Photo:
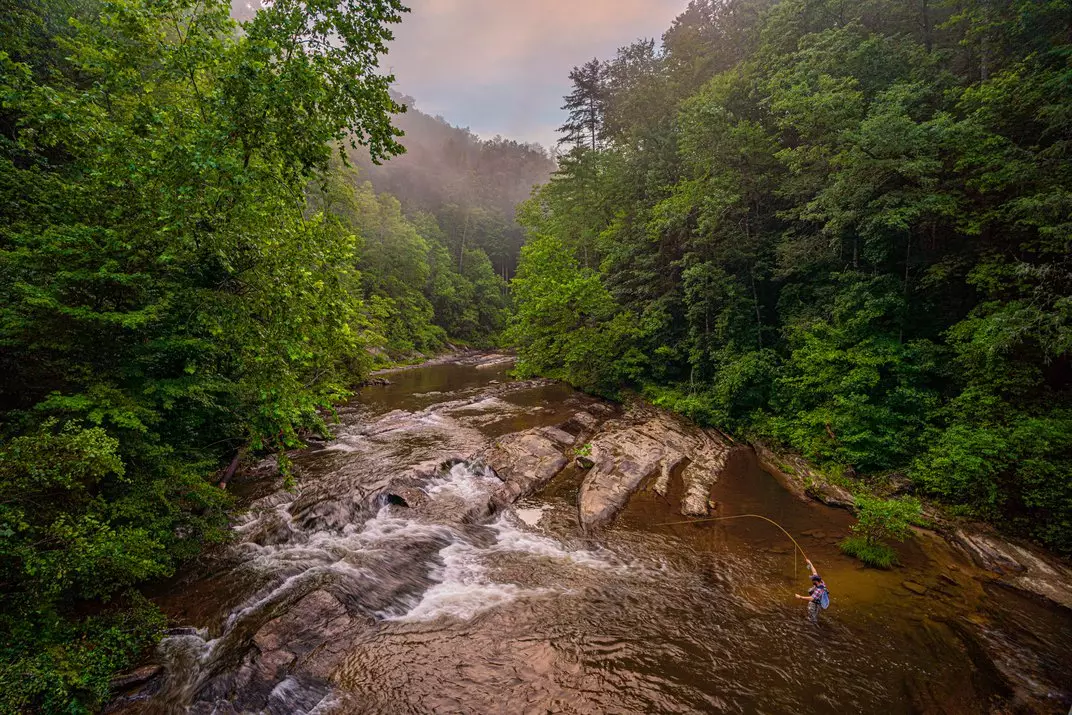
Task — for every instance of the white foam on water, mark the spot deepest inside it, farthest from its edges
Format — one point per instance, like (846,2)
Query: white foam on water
(463,590)
(290,694)
(342,447)
(488,403)
(465,482)
(511,538)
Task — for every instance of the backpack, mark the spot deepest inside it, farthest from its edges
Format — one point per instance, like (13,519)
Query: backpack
(824,598)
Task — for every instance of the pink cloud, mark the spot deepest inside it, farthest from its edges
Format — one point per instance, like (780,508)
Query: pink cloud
(521,50)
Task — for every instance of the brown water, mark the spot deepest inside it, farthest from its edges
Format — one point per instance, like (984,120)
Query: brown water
(452,609)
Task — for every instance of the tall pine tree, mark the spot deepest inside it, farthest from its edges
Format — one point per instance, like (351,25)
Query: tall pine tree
(585,104)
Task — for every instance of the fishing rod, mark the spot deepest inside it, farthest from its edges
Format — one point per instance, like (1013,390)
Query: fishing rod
(745,516)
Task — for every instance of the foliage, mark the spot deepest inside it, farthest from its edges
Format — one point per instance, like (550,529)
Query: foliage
(843,226)
(167,295)
(71,665)
(878,520)
(567,325)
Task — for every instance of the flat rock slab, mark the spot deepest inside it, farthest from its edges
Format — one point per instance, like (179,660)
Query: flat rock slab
(916,588)
(648,442)
(1018,565)
(525,461)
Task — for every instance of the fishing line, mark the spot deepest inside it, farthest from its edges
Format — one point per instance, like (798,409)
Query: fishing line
(744,516)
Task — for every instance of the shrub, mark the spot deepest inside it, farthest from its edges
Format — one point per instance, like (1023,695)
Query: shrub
(878,520)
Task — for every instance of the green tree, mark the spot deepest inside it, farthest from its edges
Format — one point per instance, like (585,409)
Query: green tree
(166,295)
(877,521)
(585,105)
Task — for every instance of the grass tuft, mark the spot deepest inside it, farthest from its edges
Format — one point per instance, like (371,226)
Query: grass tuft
(876,555)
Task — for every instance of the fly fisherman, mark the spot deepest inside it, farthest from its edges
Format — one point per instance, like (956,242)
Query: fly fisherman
(817,597)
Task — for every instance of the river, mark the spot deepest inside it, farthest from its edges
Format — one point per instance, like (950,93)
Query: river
(386,584)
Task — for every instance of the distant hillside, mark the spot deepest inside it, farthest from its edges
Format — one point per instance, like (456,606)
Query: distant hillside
(470,185)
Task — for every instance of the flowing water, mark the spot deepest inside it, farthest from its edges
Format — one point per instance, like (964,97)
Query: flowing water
(385,584)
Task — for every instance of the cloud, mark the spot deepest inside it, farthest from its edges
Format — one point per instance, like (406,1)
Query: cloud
(502,66)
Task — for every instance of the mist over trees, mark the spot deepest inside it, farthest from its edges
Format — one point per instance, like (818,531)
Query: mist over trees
(471,186)
(842,225)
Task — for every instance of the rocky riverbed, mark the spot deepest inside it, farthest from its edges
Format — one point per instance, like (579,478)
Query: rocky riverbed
(470,543)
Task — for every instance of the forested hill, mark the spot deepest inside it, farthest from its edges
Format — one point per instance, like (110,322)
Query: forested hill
(472,186)
(842,225)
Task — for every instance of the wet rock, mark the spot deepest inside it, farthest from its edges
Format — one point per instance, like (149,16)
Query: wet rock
(947,580)
(832,495)
(609,486)
(801,480)
(644,443)
(323,515)
(409,497)
(376,382)
(270,530)
(559,436)
(580,422)
(988,552)
(916,588)
(1019,566)
(310,624)
(493,360)
(135,678)
(666,471)
(181,631)
(525,461)
(585,463)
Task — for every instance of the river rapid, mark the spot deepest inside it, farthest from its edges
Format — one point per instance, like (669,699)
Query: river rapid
(391,581)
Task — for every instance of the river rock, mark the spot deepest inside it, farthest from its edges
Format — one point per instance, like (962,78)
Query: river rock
(832,495)
(916,588)
(801,479)
(311,624)
(137,677)
(410,497)
(585,462)
(525,461)
(644,443)
(559,436)
(580,422)
(666,471)
(1018,565)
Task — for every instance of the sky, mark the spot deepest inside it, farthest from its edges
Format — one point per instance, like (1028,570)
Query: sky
(502,66)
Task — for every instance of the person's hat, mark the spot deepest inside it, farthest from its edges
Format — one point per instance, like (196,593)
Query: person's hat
(816,577)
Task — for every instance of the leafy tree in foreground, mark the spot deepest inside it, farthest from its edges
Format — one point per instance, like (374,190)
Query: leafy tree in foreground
(165,296)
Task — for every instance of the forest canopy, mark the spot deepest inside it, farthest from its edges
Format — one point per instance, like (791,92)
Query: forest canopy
(841,225)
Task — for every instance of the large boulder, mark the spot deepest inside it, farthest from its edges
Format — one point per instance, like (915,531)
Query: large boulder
(648,442)
(312,625)
(525,461)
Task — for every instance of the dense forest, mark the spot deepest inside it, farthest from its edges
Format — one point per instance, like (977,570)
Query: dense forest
(839,225)
(192,272)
